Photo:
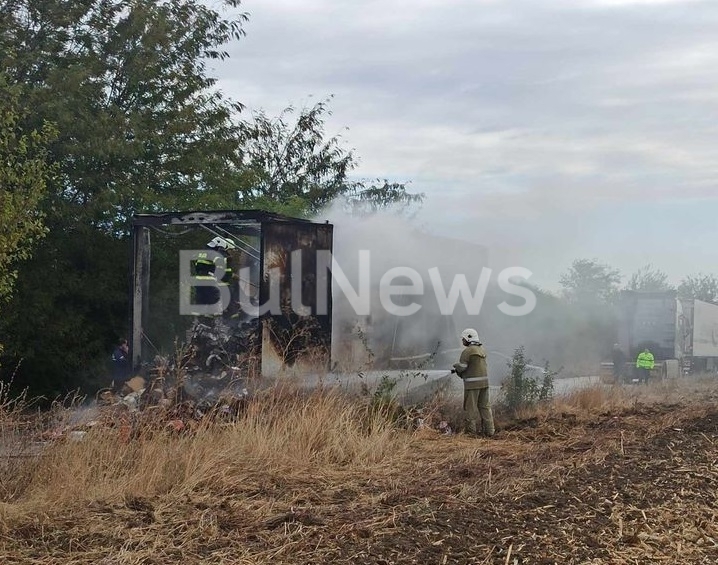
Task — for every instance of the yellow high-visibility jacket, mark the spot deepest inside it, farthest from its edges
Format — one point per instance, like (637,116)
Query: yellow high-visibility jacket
(645,360)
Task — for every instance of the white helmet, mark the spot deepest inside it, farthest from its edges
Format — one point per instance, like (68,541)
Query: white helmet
(470,335)
(221,243)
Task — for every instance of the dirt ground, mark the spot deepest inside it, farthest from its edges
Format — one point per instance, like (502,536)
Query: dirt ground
(634,485)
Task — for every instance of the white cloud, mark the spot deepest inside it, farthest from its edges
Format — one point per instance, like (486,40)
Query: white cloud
(620,3)
(527,108)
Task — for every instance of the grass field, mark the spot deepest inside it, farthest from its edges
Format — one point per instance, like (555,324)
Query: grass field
(622,475)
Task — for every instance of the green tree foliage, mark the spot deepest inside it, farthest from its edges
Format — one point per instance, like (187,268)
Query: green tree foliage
(584,322)
(648,279)
(23,176)
(522,389)
(589,282)
(140,125)
(141,128)
(366,198)
(291,166)
(293,163)
(701,287)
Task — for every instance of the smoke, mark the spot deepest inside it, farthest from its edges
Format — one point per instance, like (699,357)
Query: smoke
(552,332)
(369,248)
(431,262)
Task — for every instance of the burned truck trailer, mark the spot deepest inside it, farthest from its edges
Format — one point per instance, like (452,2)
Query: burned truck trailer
(650,320)
(682,331)
(278,311)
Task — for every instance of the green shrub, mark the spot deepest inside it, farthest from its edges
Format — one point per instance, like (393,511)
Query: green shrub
(522,389)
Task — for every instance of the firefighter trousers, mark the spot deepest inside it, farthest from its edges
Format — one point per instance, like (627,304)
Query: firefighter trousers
(477,408)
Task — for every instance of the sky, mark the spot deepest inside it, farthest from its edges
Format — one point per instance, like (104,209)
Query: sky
(546,130)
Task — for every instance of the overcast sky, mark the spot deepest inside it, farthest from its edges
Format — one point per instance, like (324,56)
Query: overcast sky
(548,130)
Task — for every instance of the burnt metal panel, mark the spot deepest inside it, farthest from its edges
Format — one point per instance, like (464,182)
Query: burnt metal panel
(282,338)
(297,336)
(140,290)
(214,217)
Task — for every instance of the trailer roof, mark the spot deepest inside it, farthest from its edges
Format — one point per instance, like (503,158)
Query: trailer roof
(216,217)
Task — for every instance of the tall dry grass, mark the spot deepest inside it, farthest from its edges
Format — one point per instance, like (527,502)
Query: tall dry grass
(580,405)
(283,433)
(586,403)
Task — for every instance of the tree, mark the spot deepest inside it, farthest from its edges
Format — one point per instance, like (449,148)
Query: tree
(366,198)
(701,287)
(590,282)
(141,127)
(590,290)
(648,279)
(293,163)
(292,167)
(23,176)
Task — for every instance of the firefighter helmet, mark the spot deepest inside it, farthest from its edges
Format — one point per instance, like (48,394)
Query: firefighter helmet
(470,335)
(221,243)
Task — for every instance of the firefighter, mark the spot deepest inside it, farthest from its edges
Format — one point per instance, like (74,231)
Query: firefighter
(644,364)
(205,268)
(223,245)
(472,370)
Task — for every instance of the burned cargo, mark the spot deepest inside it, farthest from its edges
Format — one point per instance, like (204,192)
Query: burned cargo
(247,291)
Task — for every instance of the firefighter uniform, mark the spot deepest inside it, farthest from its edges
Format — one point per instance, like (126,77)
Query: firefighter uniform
(204,270)
(473,371)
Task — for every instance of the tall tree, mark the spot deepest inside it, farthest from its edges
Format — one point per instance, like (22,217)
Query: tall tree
(141,127)
(292,166)
(701,287)
(589,282)
(292,162)
(366,198)
(23,176)
(590,290)
(648,279)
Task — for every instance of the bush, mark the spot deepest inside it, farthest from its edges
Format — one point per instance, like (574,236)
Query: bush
(522,390)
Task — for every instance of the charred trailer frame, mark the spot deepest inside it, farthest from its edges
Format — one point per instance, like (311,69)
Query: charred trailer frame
(289,335)
(683,331)
(652,320)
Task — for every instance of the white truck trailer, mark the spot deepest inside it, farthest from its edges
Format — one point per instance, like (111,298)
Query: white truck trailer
(681,334)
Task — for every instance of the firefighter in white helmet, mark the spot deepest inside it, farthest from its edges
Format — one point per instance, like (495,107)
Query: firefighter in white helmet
(221,244)
(473,371)
(206,265)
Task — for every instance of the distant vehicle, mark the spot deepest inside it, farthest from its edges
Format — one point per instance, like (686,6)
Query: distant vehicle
(681,334)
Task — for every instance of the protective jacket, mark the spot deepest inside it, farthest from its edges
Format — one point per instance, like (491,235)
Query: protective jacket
(645,360)
(472,367)
(204,270)
(204,266)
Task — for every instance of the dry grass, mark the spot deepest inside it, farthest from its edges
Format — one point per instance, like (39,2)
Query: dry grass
(607,475)
(282,432)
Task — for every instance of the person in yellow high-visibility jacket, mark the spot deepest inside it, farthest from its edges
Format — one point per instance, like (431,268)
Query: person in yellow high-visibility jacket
(644,364)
